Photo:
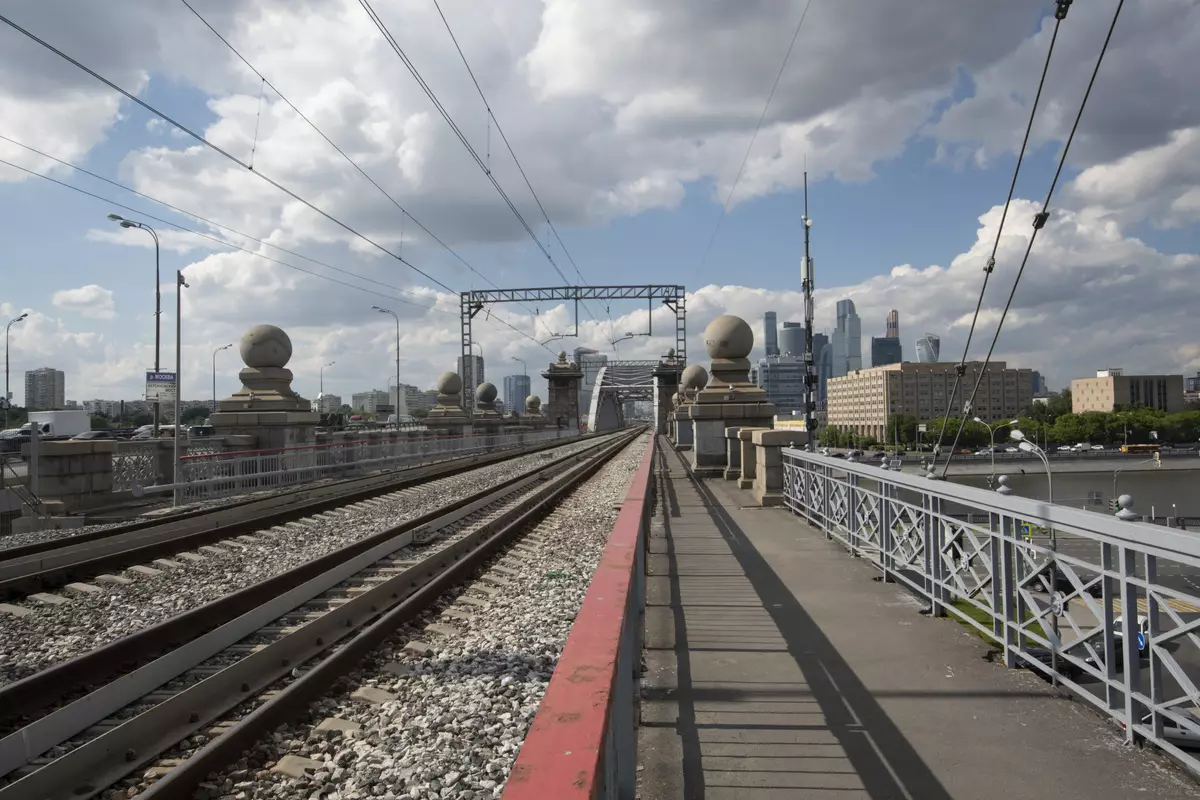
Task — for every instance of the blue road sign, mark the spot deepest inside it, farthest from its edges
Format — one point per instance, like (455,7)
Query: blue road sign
(160,385)
(1141,641)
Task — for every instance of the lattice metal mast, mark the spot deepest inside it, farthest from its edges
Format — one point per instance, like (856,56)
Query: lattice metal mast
(810,367)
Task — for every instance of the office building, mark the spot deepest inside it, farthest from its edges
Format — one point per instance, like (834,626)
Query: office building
(398,400)
(376,401)
(929,348)
(328,403)
(1039,385)
(1192,384)
(791,340)
(847,340)
(863,400)
(885,351)
(893,325)
(1111,388)
(415,399)
(770,334)
(45,389)
(474,374)
(516,389)
(782,377)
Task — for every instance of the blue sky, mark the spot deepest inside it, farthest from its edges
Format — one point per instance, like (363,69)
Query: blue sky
(634,201)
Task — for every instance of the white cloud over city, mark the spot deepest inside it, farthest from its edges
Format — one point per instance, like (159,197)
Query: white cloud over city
(615,109)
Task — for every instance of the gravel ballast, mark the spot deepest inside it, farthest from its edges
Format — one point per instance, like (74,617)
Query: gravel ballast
(53,633)
(446,720)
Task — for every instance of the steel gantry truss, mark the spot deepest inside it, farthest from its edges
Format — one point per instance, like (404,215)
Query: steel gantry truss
(472,302)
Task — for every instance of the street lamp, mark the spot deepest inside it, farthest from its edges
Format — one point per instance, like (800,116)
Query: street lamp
(128,223)
(394,314)
(323,366)
(180,285)
(524,367)
(7,393)
(992,446)
(219,349)
(1030,447)
(1117,472)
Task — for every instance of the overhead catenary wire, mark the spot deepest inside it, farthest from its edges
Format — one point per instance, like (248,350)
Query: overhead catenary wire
(441,109)
(84,68)
(216,148)
(990,264)
(335,146)
(754,137)
(1040,219)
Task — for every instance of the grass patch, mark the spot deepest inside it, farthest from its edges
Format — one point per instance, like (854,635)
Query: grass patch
(984,618)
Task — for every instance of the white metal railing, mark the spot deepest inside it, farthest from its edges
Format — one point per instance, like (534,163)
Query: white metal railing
(1046,583)
(215,475)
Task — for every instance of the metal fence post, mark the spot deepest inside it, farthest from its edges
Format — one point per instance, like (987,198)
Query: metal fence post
(1010,557)
(1109,588)
(1150,563)
(887,493)
(851,512)
(1129,631)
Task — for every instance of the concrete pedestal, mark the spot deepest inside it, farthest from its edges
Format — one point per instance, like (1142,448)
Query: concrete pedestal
(76,475)
(562,399)
(748,456)
(733,453)
(710,453)
(683,429)
(768,478)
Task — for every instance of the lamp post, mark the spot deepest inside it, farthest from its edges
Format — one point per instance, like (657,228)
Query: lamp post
(219,349)
(7,393)
(1117,472)
(524,368)
(992,446)
(322,373)
(397,317)
(180,285)
(128,223)
(1030,447)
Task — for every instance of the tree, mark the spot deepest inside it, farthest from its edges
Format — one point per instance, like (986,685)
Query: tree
(1059,404)
(419,413)
(139,418)
(100,422)
(194,415)
(902,427)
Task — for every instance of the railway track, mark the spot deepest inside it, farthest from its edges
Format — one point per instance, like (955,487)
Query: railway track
(46,565)
(297,632)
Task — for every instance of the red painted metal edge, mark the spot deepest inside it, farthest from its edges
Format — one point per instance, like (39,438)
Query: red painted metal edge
(563,754)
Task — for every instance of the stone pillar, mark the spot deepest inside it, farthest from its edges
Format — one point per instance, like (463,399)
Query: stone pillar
(748,457)
(73,476)
(666,386)
(729,398)
(447,415)
(533,418)
(562,404)
(733,453)
(265,414)
(488,422)
(768,477)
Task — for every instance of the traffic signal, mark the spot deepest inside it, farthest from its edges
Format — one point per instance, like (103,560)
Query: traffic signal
(1113,505)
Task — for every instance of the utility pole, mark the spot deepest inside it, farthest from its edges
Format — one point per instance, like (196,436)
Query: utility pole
(810,368)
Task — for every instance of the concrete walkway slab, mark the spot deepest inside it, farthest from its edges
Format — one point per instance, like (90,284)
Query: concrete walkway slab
(778,668)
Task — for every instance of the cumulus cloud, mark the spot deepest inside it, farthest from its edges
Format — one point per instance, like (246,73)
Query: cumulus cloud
(91,301)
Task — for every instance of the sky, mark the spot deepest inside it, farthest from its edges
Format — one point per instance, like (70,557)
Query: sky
(635,126)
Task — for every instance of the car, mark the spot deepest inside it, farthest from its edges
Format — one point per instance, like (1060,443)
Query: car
(1064,448)
(201,431)
(98,434)
(1045,656)
(1097,447)
(839,455)
(1012,449)
(1177,734)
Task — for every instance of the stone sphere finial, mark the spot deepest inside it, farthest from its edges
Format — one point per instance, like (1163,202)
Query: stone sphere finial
(670,352)
(1003,488)
(533,404)
(562,356)
(728,336)
(485,394)
(265,346)
(694,377)
(449,383)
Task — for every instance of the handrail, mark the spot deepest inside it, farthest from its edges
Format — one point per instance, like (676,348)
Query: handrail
(582,742)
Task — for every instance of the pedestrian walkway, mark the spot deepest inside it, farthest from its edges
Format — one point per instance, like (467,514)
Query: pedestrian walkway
(779,667)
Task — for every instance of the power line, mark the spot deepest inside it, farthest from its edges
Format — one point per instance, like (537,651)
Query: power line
(437,104)
(199,218)
(220,242)
(757,128)
(334,145)
(1040,219)
(218,149)
(1059,15)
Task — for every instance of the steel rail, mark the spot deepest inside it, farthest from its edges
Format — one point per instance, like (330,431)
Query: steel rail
(52,566)
(37,692)
(95,765)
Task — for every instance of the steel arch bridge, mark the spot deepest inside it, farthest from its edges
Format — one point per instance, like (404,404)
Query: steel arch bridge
(617,382)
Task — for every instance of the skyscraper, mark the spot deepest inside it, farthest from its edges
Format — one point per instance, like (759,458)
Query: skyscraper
(791,340)
(847,340)
(783,379)
(45,388)
(929,347)
(516,389)
(885,351)
(770,335)
(893,324)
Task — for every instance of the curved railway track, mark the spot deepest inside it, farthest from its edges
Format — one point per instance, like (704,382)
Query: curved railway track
(298,631)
